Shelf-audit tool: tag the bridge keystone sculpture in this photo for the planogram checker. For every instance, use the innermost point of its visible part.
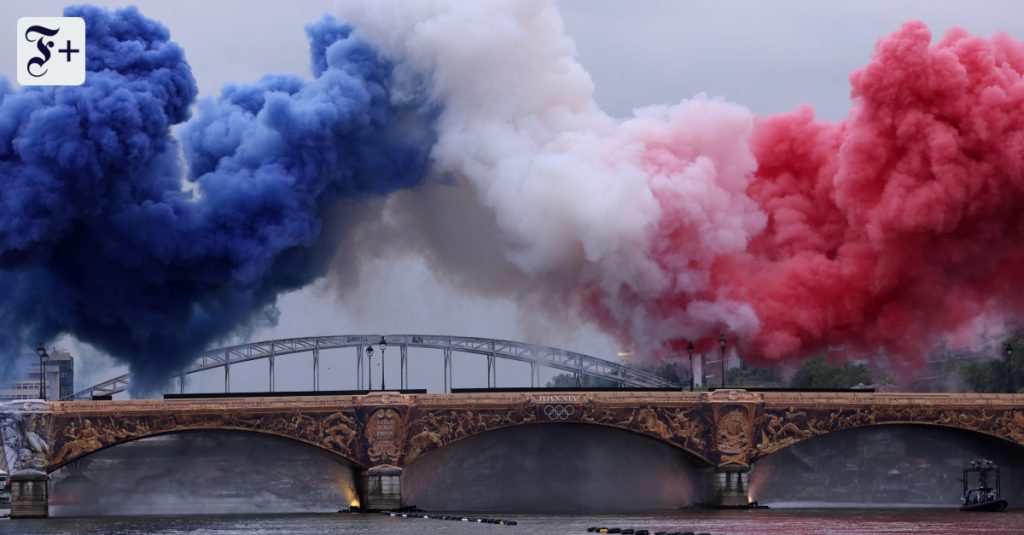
(724, 431)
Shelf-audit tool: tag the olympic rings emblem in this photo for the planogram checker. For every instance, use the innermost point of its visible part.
(559, 412)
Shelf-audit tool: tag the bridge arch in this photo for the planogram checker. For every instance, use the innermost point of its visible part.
(76, 438)
(780, 428)
(964, 431)
(204, 471)
(695, 456)
(884, 464)
(686, 429)
(580, 466)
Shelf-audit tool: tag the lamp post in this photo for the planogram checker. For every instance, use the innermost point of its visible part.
(721, 344)
(43, 357)
(1009, 368)
(690, 349)
(369, 367)
(383, 347)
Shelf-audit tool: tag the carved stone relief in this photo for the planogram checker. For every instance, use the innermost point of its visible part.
(726, 427)
(24, 429)
(384, 434)
(77, 435)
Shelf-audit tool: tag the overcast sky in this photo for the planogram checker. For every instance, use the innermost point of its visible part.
(768, 56)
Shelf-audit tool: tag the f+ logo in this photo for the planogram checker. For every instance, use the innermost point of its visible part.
(38, 37)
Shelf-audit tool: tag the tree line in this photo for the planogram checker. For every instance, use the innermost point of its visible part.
(989, 370)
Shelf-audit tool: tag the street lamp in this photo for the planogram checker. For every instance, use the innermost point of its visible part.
(721, 344)
(43, 357)
(369, 367)
(690, 349)
(1009, 369)
(383, 347)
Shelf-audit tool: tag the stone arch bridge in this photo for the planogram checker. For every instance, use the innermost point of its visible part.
(379, 433)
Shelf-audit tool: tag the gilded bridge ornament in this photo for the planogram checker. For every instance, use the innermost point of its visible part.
(732, 431)
(24, 432)
(685, 428)
(76, 436)
(383, 435)
(719, 428)
(559, 412)
(781, 427)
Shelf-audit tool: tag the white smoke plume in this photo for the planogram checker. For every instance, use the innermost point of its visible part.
(578, 199)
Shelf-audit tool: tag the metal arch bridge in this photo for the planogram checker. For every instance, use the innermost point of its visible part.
(492, 349)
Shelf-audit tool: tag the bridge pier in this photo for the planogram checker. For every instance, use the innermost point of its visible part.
(30, 494)
(381, 488)
(728, 486)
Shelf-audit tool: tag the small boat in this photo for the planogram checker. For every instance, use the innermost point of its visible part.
(984, 497)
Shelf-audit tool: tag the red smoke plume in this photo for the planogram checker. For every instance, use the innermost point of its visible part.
(892, 229)
(904, 222)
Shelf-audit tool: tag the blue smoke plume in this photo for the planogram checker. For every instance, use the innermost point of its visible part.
(105, 235)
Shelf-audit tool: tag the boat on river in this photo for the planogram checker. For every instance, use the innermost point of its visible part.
(986, 496)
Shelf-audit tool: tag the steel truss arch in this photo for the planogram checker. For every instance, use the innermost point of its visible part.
(490, 348)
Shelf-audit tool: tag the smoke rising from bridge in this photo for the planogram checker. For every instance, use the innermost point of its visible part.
(790, 233)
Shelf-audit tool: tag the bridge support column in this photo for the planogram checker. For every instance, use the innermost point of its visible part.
(728, 486)
(447, 370)
(382, 488)
(30, 494)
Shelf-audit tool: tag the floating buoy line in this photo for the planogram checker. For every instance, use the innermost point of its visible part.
(501, 522)
(456, 518)
(631, 531)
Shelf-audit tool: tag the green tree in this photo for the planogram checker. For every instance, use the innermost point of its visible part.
(986, 376)
(672, 371)
(1000, 373)
(568, 380)
(754, 377)
(669, 370)
(819, 373)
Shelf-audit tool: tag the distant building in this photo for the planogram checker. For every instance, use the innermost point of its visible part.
(60, 377)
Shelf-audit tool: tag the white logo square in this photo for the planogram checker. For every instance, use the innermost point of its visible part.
(51, 51)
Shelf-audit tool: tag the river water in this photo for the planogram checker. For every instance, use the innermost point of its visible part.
(761, 522)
